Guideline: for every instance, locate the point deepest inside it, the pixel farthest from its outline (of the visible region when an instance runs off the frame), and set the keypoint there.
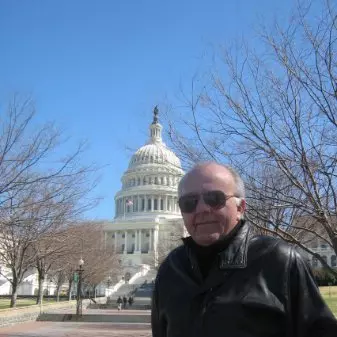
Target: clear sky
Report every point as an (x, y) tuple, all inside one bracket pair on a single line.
[(97, 68)]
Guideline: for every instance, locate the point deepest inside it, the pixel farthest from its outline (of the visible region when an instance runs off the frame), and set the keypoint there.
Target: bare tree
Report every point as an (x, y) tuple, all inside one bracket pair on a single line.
[(86, 240), (271, 113), (170, 237), (39, 194)]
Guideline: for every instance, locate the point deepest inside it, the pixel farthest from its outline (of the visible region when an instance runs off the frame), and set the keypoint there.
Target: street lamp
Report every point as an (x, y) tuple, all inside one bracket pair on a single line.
[(79, 286), (109, 282)]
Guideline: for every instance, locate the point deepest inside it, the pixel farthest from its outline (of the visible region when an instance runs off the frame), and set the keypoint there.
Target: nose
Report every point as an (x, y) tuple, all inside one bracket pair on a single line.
[(201, 206)]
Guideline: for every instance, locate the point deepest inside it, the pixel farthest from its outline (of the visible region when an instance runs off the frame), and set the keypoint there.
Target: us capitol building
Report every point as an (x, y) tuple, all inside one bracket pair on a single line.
[(147, 222)]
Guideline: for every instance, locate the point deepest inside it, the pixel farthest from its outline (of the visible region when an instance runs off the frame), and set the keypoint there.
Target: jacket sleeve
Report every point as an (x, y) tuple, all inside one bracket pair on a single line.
[(158, 324), (310, 316)]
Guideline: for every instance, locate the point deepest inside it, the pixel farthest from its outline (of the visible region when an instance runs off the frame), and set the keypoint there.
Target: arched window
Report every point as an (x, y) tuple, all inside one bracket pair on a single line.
[(325, 258), (333, 261)]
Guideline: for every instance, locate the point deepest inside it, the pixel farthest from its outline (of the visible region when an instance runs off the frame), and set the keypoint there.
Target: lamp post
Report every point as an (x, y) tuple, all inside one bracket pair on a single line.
[(79, 288), (109, 284)]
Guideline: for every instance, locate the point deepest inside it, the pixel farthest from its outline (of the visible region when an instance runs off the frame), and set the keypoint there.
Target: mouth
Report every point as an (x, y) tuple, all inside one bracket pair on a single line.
[(206, 223)]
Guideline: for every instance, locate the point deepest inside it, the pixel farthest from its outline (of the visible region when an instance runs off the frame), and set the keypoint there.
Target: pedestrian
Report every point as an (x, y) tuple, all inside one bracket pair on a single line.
[(119, 303), (130, 300), (125, 301), (226, 281)]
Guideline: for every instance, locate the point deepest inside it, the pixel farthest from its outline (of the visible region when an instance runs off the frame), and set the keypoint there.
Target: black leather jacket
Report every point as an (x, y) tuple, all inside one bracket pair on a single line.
[(258, 287)]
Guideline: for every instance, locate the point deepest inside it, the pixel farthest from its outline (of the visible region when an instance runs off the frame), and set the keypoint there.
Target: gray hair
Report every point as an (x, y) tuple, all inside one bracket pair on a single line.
[(240, 186)]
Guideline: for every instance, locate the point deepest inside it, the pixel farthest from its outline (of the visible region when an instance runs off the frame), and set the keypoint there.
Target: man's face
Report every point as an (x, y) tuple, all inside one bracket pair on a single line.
[(206, 224)]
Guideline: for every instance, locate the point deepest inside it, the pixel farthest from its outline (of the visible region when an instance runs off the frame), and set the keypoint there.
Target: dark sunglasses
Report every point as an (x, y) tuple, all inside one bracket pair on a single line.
[(215, 199)]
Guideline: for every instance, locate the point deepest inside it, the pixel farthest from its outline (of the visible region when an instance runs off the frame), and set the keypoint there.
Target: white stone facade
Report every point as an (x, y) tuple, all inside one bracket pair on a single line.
[(146, 207)]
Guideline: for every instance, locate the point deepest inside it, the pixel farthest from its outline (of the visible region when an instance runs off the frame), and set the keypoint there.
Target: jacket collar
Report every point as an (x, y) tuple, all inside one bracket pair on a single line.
[(234, 256)]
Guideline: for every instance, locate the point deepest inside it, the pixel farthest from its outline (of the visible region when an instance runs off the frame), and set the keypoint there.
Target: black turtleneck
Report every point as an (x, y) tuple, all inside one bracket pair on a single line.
[(207, 254)]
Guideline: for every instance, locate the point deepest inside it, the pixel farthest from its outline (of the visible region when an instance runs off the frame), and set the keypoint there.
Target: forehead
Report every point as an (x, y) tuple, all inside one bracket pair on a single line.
[(206, 179)]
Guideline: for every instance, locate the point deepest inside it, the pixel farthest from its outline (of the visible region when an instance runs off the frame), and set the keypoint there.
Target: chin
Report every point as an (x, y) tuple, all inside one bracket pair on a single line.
[(207, 240)]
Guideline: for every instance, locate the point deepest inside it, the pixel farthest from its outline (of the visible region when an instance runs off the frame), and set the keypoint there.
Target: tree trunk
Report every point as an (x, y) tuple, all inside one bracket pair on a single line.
[(58, 290), (40, 292), (69, 288), (14, 294)]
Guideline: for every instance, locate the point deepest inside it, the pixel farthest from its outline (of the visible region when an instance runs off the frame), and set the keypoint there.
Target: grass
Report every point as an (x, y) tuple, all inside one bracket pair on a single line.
[(4, 302), (330, 296), (24, 302)]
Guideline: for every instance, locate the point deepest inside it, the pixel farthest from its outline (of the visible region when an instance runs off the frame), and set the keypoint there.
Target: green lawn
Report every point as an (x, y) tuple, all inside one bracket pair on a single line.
[(330, 296), (4, 303)]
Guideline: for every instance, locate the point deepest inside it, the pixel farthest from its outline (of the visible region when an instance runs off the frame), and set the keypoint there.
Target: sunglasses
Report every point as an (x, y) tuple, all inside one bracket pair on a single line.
[(214, 199)]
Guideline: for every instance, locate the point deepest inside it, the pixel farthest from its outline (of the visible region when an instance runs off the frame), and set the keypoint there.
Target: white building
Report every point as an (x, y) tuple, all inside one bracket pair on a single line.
[(147, 215)]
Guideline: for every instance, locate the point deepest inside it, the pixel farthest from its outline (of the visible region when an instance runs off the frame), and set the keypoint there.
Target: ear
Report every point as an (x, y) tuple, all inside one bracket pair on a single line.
[(241, 205)]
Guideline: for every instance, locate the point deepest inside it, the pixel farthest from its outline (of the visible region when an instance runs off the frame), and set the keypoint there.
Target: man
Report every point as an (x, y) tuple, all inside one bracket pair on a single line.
[(224, 281), (125, 301), (119, 303)]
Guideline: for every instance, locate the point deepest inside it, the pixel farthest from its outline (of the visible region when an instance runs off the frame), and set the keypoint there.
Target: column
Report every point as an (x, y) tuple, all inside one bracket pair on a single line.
[(150, 242), (155, 245), (116, 241), (140, 240), (152, 203), (125, 241), (136, 240)]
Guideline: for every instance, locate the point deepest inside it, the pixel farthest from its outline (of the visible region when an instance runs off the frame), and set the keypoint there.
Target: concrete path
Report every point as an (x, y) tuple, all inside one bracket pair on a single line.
[(76, 329), (94, 323)]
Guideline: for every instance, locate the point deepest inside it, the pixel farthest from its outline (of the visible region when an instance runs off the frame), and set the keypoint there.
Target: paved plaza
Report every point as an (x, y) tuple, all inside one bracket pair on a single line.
[(76, 329), (95, 323)]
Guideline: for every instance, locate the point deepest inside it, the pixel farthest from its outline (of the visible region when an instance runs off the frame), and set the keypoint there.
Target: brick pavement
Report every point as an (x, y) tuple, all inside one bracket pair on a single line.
[(76, 329)]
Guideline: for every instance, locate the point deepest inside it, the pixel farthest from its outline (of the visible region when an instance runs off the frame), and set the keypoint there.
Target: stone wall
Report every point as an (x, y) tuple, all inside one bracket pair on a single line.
[(31, 313)]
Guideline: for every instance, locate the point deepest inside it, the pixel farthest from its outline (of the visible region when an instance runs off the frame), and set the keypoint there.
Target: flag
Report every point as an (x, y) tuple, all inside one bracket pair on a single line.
[(129, 202)]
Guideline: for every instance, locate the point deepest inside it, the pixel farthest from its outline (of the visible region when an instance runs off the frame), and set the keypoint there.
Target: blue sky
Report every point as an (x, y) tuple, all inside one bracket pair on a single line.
[(97, 68)]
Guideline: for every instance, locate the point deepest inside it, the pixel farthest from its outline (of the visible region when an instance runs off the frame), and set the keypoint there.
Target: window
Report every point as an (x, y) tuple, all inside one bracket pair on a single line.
[(113, 236), (333, 261), (123, 235), (143, 204), (149, 204), (155, 204), (161, 204), (314, 262), (325, 258), (156, 180)]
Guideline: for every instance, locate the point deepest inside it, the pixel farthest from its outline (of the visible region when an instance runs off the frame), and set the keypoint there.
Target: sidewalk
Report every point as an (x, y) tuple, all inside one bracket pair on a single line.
[(74, 329)]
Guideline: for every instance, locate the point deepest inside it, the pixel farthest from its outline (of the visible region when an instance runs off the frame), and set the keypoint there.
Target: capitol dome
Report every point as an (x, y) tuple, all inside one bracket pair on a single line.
[(150, 183), (154, 153)]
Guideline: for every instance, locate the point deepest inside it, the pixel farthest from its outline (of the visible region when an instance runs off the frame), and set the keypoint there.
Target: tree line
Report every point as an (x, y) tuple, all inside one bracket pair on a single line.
[(44, 191)]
